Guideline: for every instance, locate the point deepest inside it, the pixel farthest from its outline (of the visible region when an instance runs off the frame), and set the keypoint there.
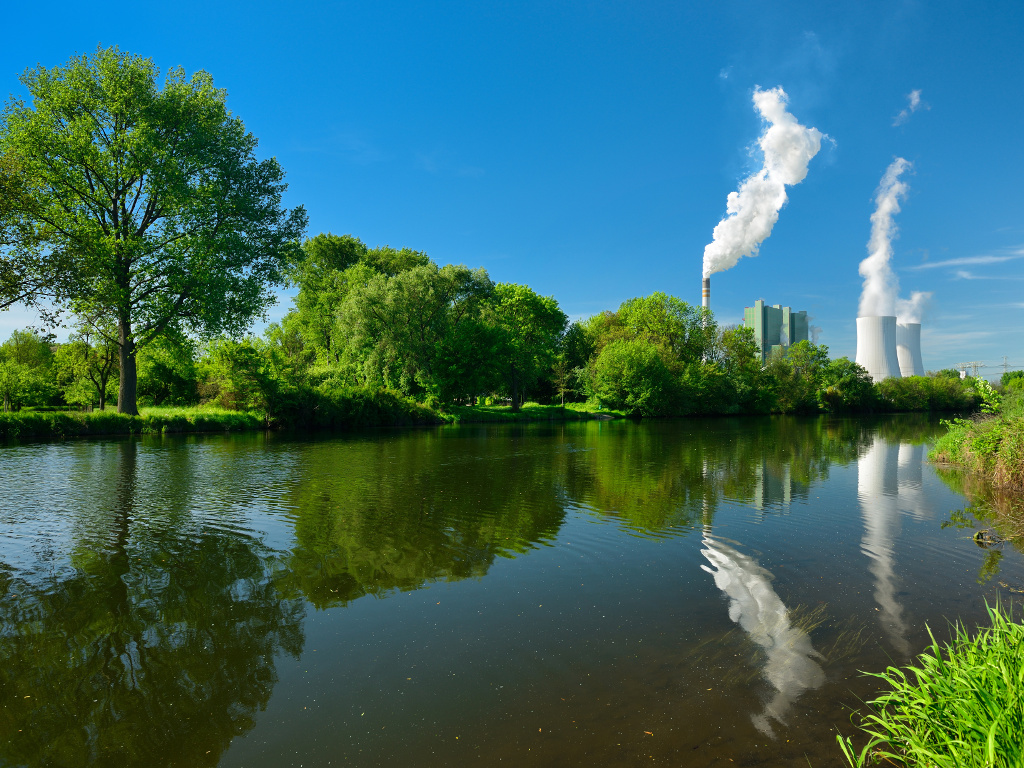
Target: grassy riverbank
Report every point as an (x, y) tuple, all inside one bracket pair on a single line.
[(530, 412), (992, 446), (35, 425), (961, 705), (356, 410)]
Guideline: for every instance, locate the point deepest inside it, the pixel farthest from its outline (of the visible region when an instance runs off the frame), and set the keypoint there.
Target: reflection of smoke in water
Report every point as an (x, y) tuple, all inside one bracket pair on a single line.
[(760, 612)]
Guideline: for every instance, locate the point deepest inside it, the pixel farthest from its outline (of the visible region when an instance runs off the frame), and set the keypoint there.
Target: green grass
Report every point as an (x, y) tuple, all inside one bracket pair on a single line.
[(993, 447), (63, 424), (331, 411), (962, 704), (529, 412)]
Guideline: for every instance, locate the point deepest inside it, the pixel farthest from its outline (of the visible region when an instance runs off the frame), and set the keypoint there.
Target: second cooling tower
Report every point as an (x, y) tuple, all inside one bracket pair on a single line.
[(908, 349), (876, 346)]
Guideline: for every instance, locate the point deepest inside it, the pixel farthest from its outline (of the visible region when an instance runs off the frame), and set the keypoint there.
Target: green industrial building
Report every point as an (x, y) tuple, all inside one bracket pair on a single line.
[(776, 327)]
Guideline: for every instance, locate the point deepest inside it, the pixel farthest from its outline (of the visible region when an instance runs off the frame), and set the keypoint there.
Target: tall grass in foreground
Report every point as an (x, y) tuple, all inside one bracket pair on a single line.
[(963, 705)]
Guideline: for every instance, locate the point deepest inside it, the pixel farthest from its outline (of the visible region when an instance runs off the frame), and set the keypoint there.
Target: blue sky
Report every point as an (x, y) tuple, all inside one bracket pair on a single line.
[(586, 149)]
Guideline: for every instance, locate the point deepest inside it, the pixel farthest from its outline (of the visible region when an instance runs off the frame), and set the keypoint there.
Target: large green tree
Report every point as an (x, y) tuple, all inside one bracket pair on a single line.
[(416, 330), (147, 203), (532, 326)]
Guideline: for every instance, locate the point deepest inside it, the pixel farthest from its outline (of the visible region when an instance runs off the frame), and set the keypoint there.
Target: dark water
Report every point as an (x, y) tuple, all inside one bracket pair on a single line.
[(603, 593)]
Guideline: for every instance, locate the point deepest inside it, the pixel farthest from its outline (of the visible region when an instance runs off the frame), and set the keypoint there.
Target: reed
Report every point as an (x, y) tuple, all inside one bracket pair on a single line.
[(962, 704)]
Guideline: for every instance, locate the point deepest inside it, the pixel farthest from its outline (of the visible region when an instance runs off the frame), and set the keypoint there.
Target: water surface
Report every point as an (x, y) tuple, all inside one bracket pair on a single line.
[(609, 593)]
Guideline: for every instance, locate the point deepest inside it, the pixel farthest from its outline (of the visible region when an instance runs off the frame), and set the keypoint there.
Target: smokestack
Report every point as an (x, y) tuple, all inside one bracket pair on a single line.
[(908, 349), (876, 347), (706, 293)]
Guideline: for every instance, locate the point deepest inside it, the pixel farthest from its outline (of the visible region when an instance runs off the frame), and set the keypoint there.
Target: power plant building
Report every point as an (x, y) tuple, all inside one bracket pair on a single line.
[(775, 327)]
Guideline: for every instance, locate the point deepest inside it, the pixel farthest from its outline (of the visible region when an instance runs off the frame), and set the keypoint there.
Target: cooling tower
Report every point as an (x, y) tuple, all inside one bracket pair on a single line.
[(876, 347), (908, 349)]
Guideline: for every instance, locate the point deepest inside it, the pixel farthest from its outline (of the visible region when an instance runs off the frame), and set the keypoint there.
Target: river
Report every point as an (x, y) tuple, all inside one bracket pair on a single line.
[(699, 592)]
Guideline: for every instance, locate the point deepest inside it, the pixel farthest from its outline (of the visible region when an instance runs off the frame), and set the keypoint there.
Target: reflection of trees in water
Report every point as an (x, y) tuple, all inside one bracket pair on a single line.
[(373, 516), (997, 514), (156, 648), (660, 475), (156, 644), (421, 507)]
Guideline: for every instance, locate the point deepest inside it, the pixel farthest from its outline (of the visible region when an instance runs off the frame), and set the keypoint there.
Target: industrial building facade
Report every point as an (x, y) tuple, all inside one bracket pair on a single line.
[(775, 327)]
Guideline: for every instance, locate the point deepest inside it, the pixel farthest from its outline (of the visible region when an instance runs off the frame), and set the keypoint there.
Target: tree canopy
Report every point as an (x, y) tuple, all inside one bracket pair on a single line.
[(139, 206)]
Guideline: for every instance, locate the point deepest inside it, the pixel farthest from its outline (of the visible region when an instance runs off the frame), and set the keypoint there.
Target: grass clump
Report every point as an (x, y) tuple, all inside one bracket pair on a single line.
[(962, 705)]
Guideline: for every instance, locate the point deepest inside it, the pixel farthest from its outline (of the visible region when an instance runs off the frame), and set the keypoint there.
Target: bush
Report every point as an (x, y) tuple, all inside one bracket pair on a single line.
[(928, 393), (631, 375)]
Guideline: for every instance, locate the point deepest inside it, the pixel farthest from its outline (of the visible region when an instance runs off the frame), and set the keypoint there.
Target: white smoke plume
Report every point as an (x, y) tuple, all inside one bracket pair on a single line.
[(913, 310), (881, 287), (753, 210)]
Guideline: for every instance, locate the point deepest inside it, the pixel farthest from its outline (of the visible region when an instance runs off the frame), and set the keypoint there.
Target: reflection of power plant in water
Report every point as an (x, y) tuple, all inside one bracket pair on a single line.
[(888, 478), (760, 612), (775, 486)]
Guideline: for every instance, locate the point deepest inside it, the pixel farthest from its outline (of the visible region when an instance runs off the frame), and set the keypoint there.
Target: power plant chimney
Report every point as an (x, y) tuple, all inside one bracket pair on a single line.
[(706, 293), (908, 349), (876, 347)]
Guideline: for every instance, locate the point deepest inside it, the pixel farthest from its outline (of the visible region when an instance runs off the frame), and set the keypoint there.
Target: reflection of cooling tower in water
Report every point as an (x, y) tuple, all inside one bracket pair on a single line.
[(910, 481), (759, 611), (877, 489)]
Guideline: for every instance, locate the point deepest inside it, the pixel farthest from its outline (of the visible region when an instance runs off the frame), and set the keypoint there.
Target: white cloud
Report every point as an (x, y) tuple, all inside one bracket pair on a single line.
[(964, 261), (914, 103)]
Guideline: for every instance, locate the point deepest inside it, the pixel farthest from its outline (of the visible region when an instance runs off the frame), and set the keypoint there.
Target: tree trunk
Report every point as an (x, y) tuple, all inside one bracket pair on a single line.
[(128, 381)]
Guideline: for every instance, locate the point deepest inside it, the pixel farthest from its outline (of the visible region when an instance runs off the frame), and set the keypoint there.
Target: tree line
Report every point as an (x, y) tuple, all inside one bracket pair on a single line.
[(387, 319)]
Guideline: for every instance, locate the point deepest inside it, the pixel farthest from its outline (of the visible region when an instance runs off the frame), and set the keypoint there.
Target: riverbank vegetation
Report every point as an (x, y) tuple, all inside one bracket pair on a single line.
[(961, 704), (991, 444)]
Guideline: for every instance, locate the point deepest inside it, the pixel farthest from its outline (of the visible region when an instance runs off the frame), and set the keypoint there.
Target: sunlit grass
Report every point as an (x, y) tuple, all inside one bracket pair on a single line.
[(528, 412), (961, 705)]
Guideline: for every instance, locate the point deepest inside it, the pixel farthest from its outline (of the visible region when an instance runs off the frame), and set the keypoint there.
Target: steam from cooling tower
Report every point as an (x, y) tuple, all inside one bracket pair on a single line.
[(879, 297), (913, 309), (753, 210)]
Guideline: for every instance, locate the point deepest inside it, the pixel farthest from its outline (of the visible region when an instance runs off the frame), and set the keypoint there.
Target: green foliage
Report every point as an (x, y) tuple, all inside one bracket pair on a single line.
[(630, 374), (961, 705), (42, 425), (1012, 377), (687, 333), (420, 331), (844, 387), (928, 393), (992, 446), (149, 202), (990, 399), (245, 375), (799, 372), (168, 374), (529, 329), (25, 371)]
